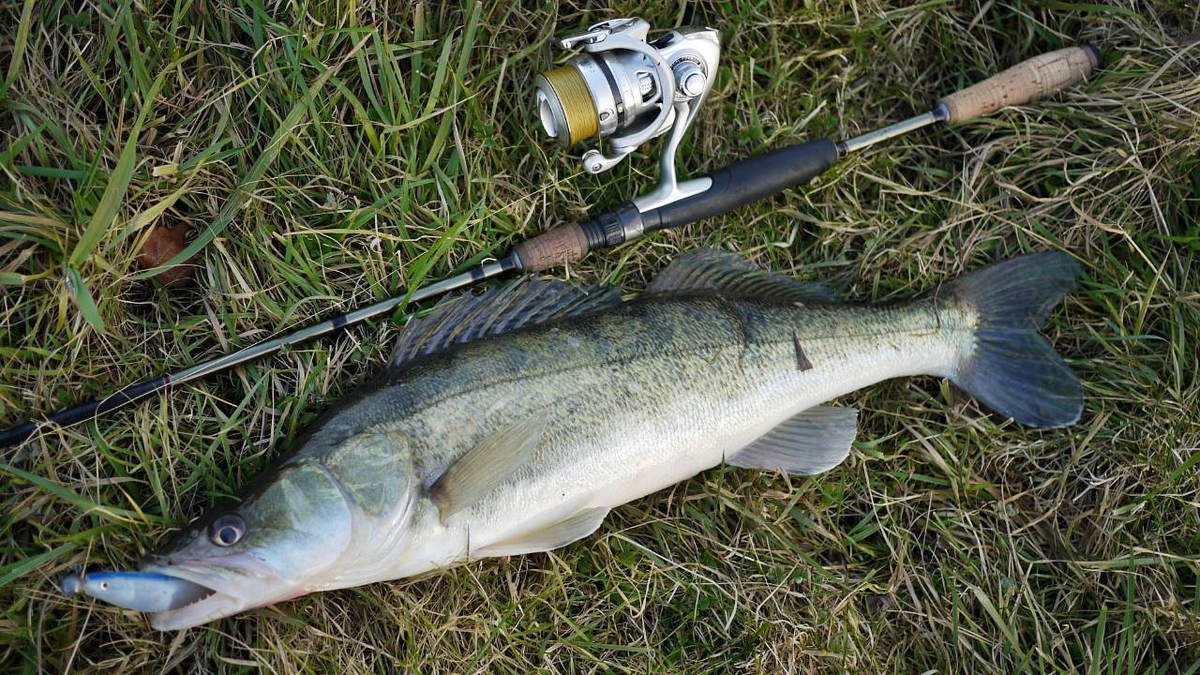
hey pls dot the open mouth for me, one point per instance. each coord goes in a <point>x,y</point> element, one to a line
<point>209,598</point>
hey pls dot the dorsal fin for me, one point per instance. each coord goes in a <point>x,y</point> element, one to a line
<point>708,269</point>
<point>526,302</point>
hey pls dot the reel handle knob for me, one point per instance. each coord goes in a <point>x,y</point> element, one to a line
<point>1038,77</point>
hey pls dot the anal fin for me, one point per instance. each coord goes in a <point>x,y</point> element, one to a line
<point>810,442</point>
<point>548,538</point>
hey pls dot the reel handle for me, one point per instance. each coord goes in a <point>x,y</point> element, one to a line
<point>1038,77</point>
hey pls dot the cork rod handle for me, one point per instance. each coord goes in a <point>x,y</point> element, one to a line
<point>562,245</point>
<point>1038,77</point>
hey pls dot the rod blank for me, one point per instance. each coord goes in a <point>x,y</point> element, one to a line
<point>125,396</point>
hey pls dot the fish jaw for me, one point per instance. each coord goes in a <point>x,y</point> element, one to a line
<point>238,582</point>
<point>288,535</point>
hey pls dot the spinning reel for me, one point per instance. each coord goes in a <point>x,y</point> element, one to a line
<point>629,91</point>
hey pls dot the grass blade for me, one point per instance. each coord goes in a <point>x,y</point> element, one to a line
<point>257,170</point>
<point>18,52</point>
<point>83,299</point>
<point>114,191</point>
<point>77,500</point>
<point>13,571</point>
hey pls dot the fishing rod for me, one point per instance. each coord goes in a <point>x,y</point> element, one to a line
<point>628,90</point>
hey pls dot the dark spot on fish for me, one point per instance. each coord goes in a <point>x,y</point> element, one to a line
<point>802,362</point>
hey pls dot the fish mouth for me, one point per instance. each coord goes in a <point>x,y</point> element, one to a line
<point>229,583</point>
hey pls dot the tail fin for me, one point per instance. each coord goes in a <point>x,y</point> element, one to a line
<point>1011,368</point>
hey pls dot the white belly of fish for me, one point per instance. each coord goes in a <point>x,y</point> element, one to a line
<point>694,435</point>
<point>656,447</point>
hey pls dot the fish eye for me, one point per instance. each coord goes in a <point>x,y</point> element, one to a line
<point>227,530</point>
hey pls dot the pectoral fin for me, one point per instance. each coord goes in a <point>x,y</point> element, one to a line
<point>486,465</point>
<point>550,537</point>
<point>811,442</point>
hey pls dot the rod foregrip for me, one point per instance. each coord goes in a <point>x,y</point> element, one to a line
<point>567,243</point>
<point>1041,76</point>
<point>747,181</point>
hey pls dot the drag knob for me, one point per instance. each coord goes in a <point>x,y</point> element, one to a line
<point>690,79</point>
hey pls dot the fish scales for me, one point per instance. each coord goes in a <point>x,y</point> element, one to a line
<point>638,399</point>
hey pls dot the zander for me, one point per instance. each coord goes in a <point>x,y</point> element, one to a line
<point>512,422</point>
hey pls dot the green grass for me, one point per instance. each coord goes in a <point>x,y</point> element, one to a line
<point>327,155</point>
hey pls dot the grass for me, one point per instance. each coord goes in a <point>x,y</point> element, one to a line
<point>324,155</point>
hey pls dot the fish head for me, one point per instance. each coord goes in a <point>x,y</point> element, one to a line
<point>277,543</point>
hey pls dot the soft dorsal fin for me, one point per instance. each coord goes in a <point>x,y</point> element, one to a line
<point>550,537</point>
<point>526,302</point>
<point>708,269</point>
<point>811,442</point>
<point>486,465</point>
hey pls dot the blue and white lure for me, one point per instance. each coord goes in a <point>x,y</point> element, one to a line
<point>141,591</point>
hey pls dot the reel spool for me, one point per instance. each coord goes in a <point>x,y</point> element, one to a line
<point>629,91</point>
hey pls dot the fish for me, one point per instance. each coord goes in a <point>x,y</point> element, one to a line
<point>511,422</point>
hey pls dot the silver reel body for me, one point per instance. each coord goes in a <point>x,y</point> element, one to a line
<point>628,91</point>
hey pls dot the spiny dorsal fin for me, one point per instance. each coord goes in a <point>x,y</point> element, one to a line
<point>486,465</point>
<point>550,537</point>
<point>526,302</point>
<point>708,269</point>
<point>811,442</point>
